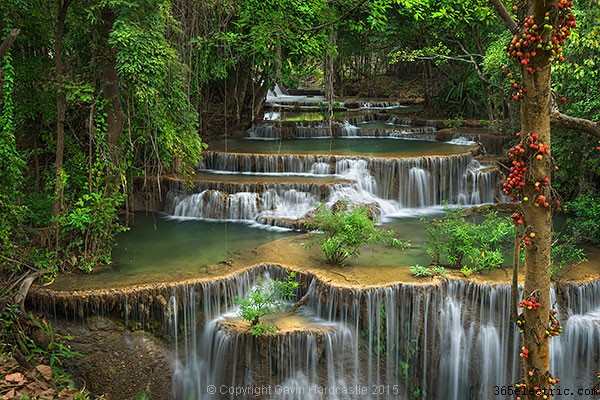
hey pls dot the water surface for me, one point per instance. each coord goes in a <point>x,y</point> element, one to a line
<point>392,147</point>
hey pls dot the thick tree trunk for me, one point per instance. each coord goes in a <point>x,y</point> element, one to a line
<point>537,322</point>
<point>535,119</point>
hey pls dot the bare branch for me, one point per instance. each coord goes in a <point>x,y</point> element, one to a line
<point>559,120</point>
<point>505,16</point>
<point>475,64</point>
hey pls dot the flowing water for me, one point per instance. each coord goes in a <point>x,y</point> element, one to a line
<point>454,340</point>
<point>382,172</point>
<point>444,339</point>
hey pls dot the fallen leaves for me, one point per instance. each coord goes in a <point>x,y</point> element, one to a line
<point>34,384</point>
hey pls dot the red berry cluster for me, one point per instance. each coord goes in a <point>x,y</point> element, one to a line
<point>547,37</point>
<point>553,381</point>
<point>517,218</point>
<point>524,352</point>
<point>554,328</point>
<point>541,201</point>
<point>540,149</point>
<point>565,20</point>
<point>529,148</point>
<point>530,303</point>
<point>515,182</point>
<point>523,46</point>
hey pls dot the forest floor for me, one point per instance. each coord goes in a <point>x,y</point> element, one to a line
<point>17,382</point>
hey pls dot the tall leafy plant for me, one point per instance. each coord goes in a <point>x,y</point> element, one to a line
<point>473,245</point>
<point>11,164</point>
<point>345,229</point>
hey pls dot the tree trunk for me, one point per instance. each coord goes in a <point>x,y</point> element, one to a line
<point>111,90</point>
<point>427,77</point>
<point>535,119</point>
<point>338,72</point>
<point>5,45</point>
<point>61,109</point>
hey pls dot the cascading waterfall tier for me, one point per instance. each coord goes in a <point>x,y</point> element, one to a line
<point>452,339</point>
<point>393,184</point>
<point>311,130</point>
<point>449,339</point>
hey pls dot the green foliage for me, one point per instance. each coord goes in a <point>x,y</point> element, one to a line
<point>420,271</point>
<point>434,270</point>
<point>463,95</point>
<point>267,297</point>
<point>460,242</point>
<point>565,253</point>
<point>165,128</point>
<point>89,228</point>
<point>585,222</point>
<point>345,229</point>
<point>11,163</point>
<point>9,312</point>
<point>579,73</point>
<point>455,122</point>
<point>55,352</point>
<point>467,271</point>
<point>438,270</point>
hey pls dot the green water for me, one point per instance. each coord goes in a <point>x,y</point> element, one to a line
<point>409,229</point>
<point>339,146</point>
<point>158,249</point>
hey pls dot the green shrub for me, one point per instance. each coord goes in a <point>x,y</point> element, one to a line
<point>459,242</point>
<point>585,223</point>
<point>420,271</point>
<point>565,253</point>
<point>438,270</point>
<point>435,270</point>
<point>265,298</point>
<point>345,229</point>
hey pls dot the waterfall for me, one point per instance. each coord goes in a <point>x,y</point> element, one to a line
<point>391,184</point>
<point>243,206</point>
<point>348,130</point>
<point>418,183</point>
<point>213,364</point>
<point>263,131</point>
<point>576,352</point>
<point>314,131</point>
<point>260,163</point>
<point>447,339</point>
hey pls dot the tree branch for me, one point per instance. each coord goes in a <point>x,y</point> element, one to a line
<point>505,16</point>
<point>559,120</point>
<point>299,303</point>
<point>349,11</point>
<point>475,64</point>
<point>8,41</point>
